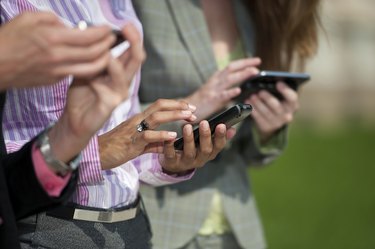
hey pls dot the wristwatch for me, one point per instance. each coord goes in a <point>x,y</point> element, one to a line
<point>60,167</point>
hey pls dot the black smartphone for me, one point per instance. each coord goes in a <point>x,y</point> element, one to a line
<point>119,37</point>
<point>266,80</point>
<point>82,25</point>
<point>229,117</point>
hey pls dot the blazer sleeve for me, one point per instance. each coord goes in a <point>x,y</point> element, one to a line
<point>26,194</point>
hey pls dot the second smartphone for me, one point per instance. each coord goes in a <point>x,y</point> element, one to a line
<point>229,117</point>
<point>266,80</point>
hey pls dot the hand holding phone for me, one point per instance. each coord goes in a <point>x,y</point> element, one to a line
<point>229,117</point>
<point>118,47</point>
<point>266,80</point>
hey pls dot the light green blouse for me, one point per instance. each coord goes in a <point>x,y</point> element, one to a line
<point>216,222</point>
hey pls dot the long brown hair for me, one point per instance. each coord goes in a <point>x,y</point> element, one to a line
<point>285,30</point>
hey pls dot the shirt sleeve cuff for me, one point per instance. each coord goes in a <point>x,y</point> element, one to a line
<point>156,177</point>
<point>51,183</point>
<point>274,145</point>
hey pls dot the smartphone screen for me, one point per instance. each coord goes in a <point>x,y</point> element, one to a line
<point>229,117</point>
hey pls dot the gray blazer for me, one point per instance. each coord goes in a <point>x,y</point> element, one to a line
<point>180,59</point>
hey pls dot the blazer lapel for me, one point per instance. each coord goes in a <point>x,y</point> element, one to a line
<point>192,27</point>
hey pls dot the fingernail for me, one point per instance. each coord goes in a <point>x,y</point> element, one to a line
<point>193,117</point>
<point>192,107</point>
<point>186,112</point>
<point>205,125</point>
<point>188,130</point>
<point>172,134</point>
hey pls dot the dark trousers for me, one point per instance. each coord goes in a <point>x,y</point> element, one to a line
<point>43,231</point>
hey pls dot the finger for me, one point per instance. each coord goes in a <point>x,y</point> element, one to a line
<point>69,54</point>
<point>189,152</point>
<point>243,63</point>
<point>290,96</point>
<point>205,141</point>
<point>117,80</point>
<point>220,138</point>
<point>169,152</point>
<point>135,51</point>
<point>83,70</point>
<point>262,110</point>
<point>256,115</point>
<point>160,117</point>
<point>231,132</point>
<point>273,104</point>
<point>261,122</point>
<point>169,105</point>
<point>83,38</point>
<point>239,76</point>
<point>150,136</point>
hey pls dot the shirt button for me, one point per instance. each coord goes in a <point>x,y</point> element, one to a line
<point>49,186</point>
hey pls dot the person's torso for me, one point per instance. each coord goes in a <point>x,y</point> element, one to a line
<point>180,59</point>
<point>28,111</point>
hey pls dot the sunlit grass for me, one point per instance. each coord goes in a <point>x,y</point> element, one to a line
<point>321,192</point>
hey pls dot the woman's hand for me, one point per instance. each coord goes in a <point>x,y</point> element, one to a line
<point>91,102</point>
<point>222,87</point>
<point>182,162</point>
<point>38,49</point>
<point>126,142</point>
<point>269,113</point>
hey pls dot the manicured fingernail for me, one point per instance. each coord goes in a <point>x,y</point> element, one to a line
<point>192,107</point>
<point>205,126</point>
<point>172,134</point>
<point>188,130</point>
<point>186,112</point>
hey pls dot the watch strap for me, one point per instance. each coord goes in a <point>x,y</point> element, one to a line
<point>60,167</point>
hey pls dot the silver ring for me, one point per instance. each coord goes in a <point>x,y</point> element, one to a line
<point>142,126</point>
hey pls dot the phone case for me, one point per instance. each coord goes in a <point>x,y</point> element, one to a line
<point>266,80</point>
<point>229,117</point>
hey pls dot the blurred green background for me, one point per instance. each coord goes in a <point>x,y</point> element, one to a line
<point>320,194</point>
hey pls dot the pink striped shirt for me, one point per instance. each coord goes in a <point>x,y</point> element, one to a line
<point>28,111</point>
<point>52,183</point>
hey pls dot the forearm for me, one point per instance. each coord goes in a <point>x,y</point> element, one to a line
<point>26,193</point>
<point>66,144</point>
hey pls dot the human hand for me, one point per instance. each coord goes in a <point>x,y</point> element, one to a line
<point>222,87</point>
<point>269,113</point>
<point>125,142</point>
<point>91,102</point>
<point>182,162</point>
<point>37,49</point>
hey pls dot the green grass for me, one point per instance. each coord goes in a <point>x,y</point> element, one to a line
<point>321,192</point>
